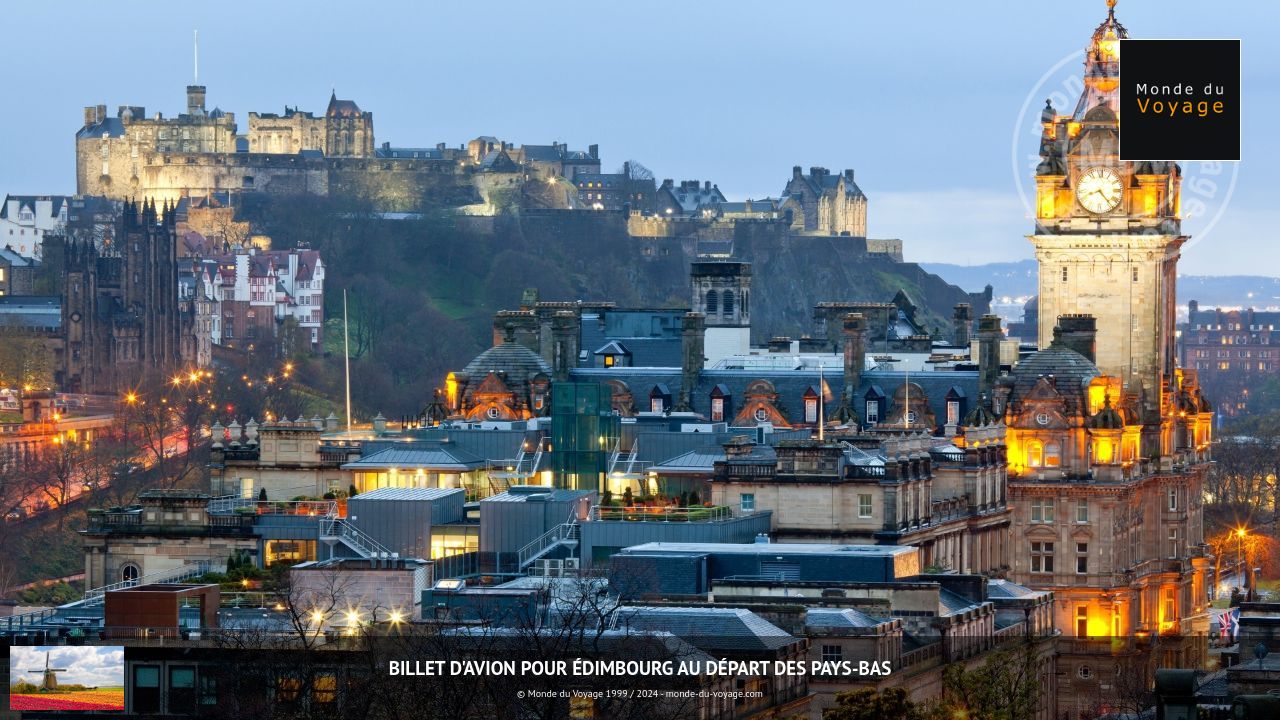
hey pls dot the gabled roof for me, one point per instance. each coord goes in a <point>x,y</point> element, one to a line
<point>341,108</point>
<point>29,202</point>
<point>613,347</point>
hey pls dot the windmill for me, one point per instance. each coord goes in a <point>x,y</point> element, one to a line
<point>50,681</point>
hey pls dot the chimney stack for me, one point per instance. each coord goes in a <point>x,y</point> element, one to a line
<point>960,322</point>
<point>989,336</point>
<point>854,330</point>
<point>693,357</point>
<point>564,338</point>
<point>1079,333</point>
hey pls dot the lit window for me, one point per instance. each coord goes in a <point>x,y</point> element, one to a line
<point>1052,455</point>
<point>953,412</point>
<point>1035,454</point>
<point>873,412</point>
<point>1082,621</point>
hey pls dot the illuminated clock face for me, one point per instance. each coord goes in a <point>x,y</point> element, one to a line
<point>1099,190</point>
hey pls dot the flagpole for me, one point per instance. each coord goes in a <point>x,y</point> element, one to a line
<point>346,355</point>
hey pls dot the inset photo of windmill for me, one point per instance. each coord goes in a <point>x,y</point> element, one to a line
<point>66,678</point>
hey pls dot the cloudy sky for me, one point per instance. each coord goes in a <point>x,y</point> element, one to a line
<point>101,666</point>
<point>922,99</point>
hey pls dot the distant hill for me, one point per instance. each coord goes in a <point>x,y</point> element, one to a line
<point>423,290</point>
<point>1019,279</point>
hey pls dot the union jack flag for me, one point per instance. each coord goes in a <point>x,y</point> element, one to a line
<point>1228,623</point>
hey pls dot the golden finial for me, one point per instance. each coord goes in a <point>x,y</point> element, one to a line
<point>1111,4</point>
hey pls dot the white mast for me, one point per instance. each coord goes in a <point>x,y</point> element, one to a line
<point>346,356</point>
<point>196,53</point>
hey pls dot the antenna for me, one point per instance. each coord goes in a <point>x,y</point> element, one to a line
<point>196,54</point>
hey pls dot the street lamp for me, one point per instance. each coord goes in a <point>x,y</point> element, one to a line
<point>1244,571</point>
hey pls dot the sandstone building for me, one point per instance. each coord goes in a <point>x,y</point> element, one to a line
<point>122,314</point>
<point>1108,440</point>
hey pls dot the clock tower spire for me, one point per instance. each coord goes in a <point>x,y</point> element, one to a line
<point>1108,233</point>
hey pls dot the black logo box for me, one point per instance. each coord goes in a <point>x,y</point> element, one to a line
<point>1187,68</point>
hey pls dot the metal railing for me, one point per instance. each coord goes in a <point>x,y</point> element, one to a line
<point>95,596</point>
<point>186,572</point>
<point>662,513</point>
<point>563,532</point>
<point>332,526</point>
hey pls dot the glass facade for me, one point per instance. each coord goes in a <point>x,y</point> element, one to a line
<point>584,434</point>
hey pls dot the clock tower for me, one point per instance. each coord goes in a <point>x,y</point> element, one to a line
<point>1107,232</point>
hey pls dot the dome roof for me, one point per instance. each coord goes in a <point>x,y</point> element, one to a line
<point>1071,373</point>
<point>515,363</point>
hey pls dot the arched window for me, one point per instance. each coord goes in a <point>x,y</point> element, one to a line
<point>129,572</point>
<point>1035,454</point>
<point>712,301</point>
<point>728,302</point>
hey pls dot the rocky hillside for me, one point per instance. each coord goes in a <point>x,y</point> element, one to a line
<point>423,290</point>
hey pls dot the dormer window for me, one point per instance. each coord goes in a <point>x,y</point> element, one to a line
<point>873,412</point>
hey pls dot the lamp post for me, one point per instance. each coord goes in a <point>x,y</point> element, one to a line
<point>1244,569</point>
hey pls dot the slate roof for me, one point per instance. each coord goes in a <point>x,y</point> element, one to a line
<point>541,153</point>
<point>13,259</point>
<point>1071,372</point>
<point>1003,589</point>
<point>112,126</point>
<point>396,152</point>
<point>29,201</point>
<point>514,363</point>
<point>708,628</point>
<point>953,603</point>
<point>31,311</point>
<point>425,455</point>
<point>1214,316</point>
<point>789,384</point>
<point>341,108</point>
<point>839,617</point>
<point>702,460</point>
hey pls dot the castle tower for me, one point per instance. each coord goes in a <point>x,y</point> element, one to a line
<point>722,293</point>
<point>1108,233</point>
<point>195,100</point>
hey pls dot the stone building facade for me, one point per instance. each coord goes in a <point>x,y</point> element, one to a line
<point>167,530</point>
<point>1232,351</point>
<point>121,313</point>
<point>825,204</point>
<point>1108,441</point>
